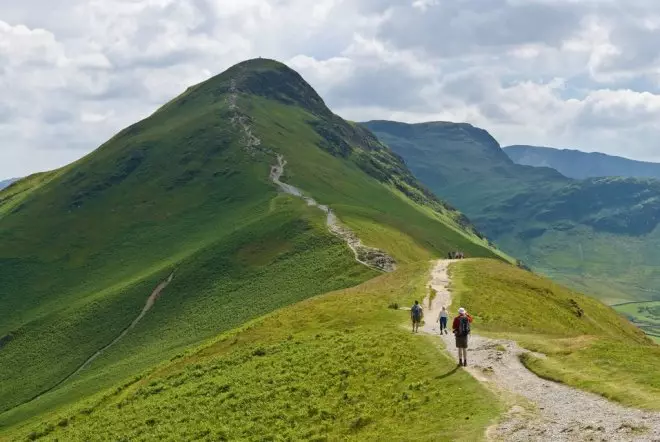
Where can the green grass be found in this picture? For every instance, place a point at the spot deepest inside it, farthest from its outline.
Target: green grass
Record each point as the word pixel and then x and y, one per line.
pixel 645 315
pixel 82 248
pixel 588 344
pixel 336 367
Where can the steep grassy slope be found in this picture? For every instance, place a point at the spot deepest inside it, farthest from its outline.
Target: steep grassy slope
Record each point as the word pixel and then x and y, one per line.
pixel 587 343
pixel 598 235
pixel 187 191
pixel 582 165
pixel 335 367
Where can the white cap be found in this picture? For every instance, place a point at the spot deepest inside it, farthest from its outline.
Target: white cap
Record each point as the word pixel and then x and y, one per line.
pixel 461 311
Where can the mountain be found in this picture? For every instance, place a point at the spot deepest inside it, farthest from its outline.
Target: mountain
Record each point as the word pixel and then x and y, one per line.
pixel 598 235
pixel 177 229
pixel 6 183
pixel 582 165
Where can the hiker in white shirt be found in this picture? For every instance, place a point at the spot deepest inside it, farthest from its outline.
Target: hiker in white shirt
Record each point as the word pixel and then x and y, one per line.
pixel 442 319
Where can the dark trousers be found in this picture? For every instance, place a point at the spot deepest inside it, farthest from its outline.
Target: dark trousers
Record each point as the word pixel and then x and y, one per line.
pixel 443 324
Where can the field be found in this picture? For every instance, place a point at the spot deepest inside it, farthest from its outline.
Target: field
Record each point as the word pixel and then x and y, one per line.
pixel 338 366
pixel 588 344
pixel 646 315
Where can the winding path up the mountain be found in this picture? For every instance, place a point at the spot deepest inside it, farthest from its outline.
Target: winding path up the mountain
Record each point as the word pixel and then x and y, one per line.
pixel 368 256
pixel 561 413
pixel 151 300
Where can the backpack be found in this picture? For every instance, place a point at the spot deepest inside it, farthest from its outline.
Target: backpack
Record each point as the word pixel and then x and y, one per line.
pixel 463 326
pixel 417 311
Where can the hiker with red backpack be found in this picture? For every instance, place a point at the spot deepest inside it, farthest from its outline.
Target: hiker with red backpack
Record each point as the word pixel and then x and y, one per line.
pixel 461 328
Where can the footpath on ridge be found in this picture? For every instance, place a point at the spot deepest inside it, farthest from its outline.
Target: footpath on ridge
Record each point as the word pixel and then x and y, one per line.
pixel 368 256
pixel 546 410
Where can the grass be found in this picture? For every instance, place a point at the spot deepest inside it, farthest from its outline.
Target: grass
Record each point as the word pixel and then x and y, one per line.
pixel 334 367
pixel 177 191
pixel 645 315
pixel 588 344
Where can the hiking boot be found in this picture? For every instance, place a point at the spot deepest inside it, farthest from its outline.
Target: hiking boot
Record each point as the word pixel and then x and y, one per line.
pixel 465 363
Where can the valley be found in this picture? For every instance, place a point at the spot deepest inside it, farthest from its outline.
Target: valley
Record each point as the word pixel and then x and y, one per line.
pixel 598 235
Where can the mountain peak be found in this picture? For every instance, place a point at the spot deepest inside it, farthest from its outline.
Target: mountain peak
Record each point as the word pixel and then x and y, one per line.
pixel 269 79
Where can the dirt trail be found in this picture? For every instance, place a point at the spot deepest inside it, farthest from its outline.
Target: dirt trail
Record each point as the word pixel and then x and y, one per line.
pixel 368 256
pixel 560 413
pixel 151 300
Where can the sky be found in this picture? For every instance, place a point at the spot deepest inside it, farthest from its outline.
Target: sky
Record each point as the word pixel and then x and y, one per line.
pixel 581 74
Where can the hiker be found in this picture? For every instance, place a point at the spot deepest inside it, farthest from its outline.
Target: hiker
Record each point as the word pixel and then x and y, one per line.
pixel 416 315
pixel 442 319
pixel 461 328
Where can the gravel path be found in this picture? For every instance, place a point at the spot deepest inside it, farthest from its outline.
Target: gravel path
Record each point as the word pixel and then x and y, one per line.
pixel 557 412
pixel 368 256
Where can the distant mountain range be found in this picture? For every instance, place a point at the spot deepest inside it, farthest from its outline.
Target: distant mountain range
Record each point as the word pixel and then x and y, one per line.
pixel 581 165
pixel 6 183
pixel 599 235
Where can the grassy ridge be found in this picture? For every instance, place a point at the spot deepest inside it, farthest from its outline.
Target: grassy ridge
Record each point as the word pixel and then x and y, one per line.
pixel 588 344
pixel 333 367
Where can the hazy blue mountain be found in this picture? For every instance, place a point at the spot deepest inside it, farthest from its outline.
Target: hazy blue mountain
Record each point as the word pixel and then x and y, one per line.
pixel 6 183
pixel 580 165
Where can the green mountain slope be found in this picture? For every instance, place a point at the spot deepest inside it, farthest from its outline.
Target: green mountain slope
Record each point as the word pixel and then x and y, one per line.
pixel 334 367
pixel 343 366
pixel 186 192
pixel 598 235
pixel 581 165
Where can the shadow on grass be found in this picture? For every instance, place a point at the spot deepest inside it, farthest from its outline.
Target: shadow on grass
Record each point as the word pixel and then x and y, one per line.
pixel 449 373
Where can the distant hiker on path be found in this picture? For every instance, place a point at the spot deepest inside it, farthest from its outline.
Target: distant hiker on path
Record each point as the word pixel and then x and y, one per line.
pixel 461 328
pixel 442 319
pixel 416 315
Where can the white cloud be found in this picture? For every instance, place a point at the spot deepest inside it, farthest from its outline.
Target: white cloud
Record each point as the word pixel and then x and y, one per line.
pixel 582 74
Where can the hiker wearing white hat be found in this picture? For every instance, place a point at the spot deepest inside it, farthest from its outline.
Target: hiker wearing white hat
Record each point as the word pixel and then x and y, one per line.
pixel 461 328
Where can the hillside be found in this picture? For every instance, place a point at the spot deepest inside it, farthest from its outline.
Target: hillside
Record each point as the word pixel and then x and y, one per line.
pixel 598 235
pixel 582 165
pixel 178 217
pixel 342 366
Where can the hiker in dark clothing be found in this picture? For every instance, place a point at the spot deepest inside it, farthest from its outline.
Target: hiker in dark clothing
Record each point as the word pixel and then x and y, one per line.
pixel 416 315
pixel 461 328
